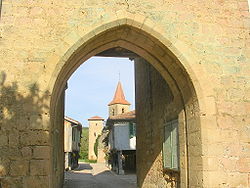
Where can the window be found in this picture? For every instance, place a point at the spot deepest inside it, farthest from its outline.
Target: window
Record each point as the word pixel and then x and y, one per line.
pixel 122 110
pixel 132 130
pixel 96 124
pixel 113 112
pixel 170 146
pixel 94 134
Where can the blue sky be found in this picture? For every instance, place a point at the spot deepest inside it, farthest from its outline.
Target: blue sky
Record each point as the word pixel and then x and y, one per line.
pixel 92 87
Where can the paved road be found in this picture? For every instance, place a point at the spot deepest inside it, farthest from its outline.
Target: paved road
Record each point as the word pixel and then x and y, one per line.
pixel 97 176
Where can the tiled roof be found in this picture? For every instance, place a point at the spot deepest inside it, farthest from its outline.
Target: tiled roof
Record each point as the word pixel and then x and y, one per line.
pixel 96 118
pixel 124 116
pixel 119 97
pixel 72 120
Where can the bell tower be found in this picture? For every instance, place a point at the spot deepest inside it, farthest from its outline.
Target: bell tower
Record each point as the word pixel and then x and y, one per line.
pixel 119 104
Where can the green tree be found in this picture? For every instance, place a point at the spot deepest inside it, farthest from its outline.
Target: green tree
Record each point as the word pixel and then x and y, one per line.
pixel 84 143
pixel 96 145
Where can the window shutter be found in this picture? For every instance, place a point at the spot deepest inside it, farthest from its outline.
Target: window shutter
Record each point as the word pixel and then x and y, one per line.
pixel 170 145
pixel 167 146
pixel 174 145
pixel 134 129
pixel 131 130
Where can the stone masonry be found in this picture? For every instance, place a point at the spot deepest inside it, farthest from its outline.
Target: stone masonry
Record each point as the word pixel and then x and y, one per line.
pixel 96 124
pixel 201 49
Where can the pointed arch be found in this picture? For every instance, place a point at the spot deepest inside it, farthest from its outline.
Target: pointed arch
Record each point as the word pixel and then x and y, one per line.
pixel 173 59
pixel 82 48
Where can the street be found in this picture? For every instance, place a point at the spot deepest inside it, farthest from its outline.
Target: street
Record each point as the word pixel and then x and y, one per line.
pixel 97 176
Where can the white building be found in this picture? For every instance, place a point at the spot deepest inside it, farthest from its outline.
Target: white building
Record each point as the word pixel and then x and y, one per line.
pixel 122 133
pixel 72 141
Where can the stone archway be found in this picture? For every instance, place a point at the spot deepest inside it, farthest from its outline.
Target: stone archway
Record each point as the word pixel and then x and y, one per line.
pixel 172 60
pixel 43 42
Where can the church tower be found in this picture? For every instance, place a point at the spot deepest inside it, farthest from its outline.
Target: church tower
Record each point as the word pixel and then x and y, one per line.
pixel 119 104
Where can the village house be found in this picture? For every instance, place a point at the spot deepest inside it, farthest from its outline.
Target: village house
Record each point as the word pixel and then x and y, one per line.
pixel 72 141
pixel 122 134
pixel 122 142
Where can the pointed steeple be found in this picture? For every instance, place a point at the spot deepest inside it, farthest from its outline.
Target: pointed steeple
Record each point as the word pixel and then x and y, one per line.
pixel 119 97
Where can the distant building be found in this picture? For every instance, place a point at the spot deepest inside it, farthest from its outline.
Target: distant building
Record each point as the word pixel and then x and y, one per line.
pixel 122 134
pixel 72 140
pixel 96 124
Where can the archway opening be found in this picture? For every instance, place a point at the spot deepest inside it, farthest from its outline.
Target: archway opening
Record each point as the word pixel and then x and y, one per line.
pixel 92 88
pixel 180 103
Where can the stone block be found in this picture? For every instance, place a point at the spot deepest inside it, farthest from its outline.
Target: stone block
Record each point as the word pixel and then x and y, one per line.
pixel 39 167
pixel 211 106
pixel 228 164
pixel 210 163
pixel 26 152
pixel 11 182
pixel 2 170
pixel 244 133
pixel 10 153
pixel 41 152
pixel 14 138
pixel 3 140
pixel 236 179
pixel 243 165
pixel 36 181
pixel 35 137
pixel 4 167
pixel 19 168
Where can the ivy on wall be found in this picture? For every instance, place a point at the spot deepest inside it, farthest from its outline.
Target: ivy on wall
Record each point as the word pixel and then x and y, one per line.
pixel 96 145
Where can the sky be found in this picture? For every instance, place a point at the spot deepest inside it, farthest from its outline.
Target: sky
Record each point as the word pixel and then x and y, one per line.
pixel 92 86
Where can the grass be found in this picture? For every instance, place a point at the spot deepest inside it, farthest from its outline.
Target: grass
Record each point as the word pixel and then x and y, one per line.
pixel 87 160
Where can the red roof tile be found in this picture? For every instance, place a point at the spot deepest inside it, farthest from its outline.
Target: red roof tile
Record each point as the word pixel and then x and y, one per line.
pixel 119 97
pixel 96 118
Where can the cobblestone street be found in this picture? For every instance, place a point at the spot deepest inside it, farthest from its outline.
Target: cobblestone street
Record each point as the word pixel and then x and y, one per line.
pixel 97 176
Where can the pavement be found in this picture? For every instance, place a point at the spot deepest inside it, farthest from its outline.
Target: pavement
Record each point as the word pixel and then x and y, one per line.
pixel 97 175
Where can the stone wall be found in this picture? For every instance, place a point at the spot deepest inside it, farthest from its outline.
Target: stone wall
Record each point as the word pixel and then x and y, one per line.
pixel 117 109
pixel 102 148
pixel 95 129
pixel 24 136
pixel 149 124
pixel 152 112
pixel 57 138
pixel 43 42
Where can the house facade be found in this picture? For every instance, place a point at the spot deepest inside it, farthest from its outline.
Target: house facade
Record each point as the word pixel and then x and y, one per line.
pixel 72 141
pixel 122 134
pixel 122 142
